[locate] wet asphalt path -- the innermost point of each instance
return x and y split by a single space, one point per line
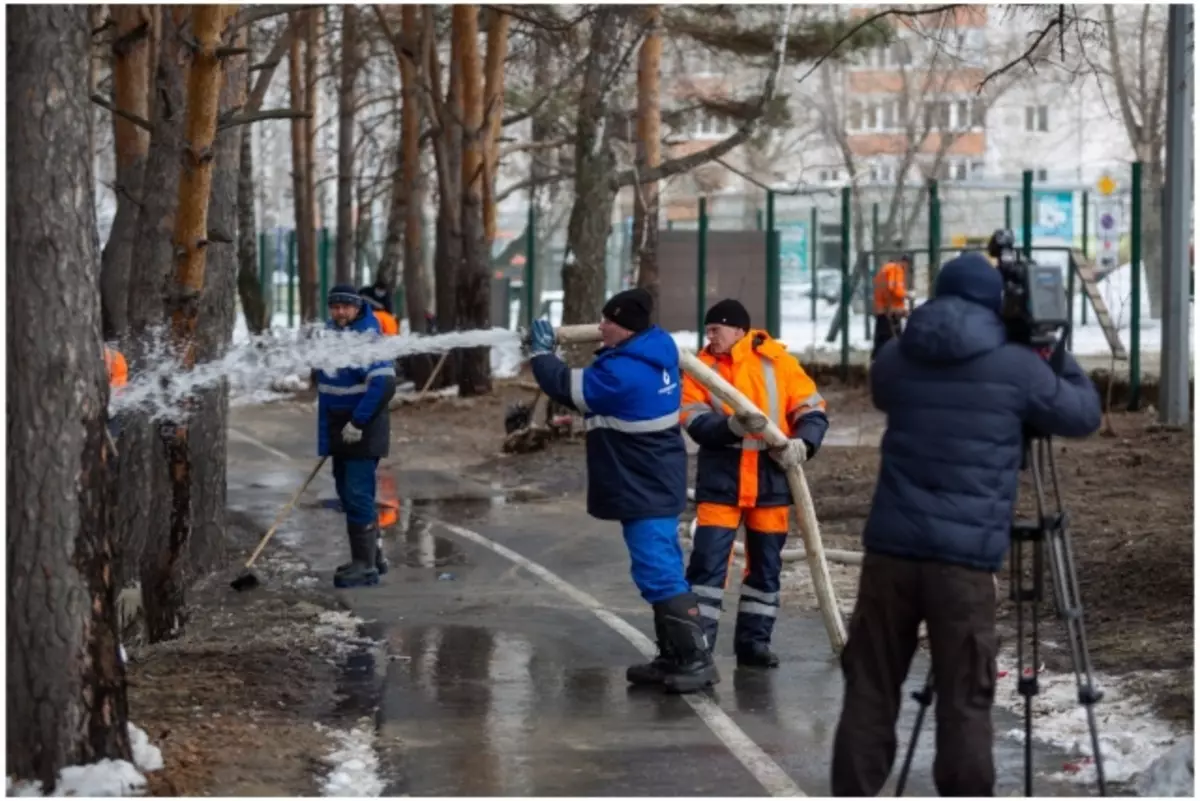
500 682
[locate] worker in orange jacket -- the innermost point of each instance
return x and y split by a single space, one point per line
387 494
891 295
118 377
735 484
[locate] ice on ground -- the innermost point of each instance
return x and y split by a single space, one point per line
354 764
107 778
147 757
1173 774
1131 736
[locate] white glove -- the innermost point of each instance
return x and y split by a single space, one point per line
744 423
790 455
351 433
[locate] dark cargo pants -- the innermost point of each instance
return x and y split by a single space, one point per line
958 606
887 327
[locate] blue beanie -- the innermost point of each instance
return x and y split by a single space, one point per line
971 277
344 293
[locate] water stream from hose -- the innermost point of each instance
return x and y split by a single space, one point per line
255 368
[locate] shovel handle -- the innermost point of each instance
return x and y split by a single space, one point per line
284 512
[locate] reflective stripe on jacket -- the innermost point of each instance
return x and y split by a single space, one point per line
890 289
732 470
629 397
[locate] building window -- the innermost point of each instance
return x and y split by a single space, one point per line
1041 175
1037 119
882 171
710 126
974 44
872 115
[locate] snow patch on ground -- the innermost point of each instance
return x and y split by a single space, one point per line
1132 737
107 778
1173 774
354 766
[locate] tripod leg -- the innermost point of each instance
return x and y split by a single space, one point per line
924 697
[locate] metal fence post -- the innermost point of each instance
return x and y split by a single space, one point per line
262 279
291 274
1008 212
774 324
701 272
1027 213
1135 281
845 283
814 238
530 263
935 234
1082 289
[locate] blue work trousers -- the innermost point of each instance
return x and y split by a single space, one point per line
656 558
355 482
758 601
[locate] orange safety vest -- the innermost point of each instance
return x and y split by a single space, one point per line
387 323
890 289
118 370
772 379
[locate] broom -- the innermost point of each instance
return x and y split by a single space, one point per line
247 580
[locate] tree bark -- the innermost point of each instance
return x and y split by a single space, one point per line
66 683
304 232
497 53
251 292
448 155
309 278
142 484
473 287
649 144
162 564
131 92
595 165
345 178
415 299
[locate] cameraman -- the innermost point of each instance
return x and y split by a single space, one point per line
958 398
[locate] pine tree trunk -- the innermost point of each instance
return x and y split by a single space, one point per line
646 196
163 562
309 276
304 233
473 285
448 243
595 164
143 485
66 699
415 297
345 178
131 92
1152 223
251 292
497 53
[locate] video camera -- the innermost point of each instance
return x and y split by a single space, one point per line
1035 300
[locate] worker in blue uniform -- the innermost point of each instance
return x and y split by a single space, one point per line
354 429
637 470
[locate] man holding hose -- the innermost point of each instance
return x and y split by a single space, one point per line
734 484
637 470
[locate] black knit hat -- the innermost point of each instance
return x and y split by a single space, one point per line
344 293
630 309
728 312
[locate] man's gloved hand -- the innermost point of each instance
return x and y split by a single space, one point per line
790 455
541 338
744 423
351 433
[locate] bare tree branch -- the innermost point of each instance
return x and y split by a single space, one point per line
274 57
247 117
140 122
251 14
1027 56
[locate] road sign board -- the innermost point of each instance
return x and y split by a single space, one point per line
1106 185
1108 213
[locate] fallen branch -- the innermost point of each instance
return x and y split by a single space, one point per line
802 499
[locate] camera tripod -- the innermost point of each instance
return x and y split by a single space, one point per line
1049 529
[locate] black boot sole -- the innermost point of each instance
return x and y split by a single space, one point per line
683 683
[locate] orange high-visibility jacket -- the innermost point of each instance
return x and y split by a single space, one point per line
890 289
735 471
118 370
387 323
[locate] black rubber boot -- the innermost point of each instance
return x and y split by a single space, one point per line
362 571
342 568
691 666
652 672
381 562
757 655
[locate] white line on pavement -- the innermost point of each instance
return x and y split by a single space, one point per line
238 435
772 777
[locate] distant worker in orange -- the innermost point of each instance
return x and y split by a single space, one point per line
735 481
386 493
891 294
118 370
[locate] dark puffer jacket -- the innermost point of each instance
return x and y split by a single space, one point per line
958 396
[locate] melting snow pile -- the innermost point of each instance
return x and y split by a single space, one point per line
354 765
1131 736
258 368
107 778
1172 774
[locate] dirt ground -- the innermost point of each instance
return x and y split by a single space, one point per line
1129 494
250 670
